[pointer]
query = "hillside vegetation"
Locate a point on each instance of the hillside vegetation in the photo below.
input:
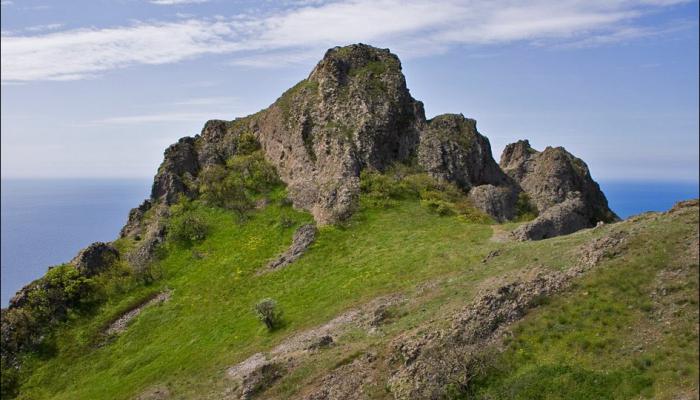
(338, 245)
(626, 330)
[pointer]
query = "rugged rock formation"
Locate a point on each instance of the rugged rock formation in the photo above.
(355, 112)
(134, 224)
(453, 150)
(177, 172)
(561, 188)
(549, 177)
(153, 231)
(95, 258)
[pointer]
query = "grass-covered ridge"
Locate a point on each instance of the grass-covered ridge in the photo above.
(628, 331)
(209, 323)
(412, 235)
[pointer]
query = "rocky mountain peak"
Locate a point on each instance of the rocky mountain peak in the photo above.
(341, 63)
(516, 154)
(354, 112)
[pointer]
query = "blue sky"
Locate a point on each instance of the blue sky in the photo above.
(99, 88)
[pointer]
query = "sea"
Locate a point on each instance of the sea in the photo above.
(46, 222)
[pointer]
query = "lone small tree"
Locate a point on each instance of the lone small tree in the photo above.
(268, 313)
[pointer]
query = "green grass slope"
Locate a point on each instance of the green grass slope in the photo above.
(606, 338)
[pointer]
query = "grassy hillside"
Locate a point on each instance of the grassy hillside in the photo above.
(612, 336)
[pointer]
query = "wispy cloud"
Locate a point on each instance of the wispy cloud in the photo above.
(43, 28)
(207, 101)
(176, 2)
(300, 32)
(6, 3)
(153, 118)
(196, 109)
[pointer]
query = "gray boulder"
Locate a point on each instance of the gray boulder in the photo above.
(453, 150)
(550, 177)
(497, 201)
(566, 217)
(95, 259)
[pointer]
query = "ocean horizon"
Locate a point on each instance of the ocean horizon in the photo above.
(46, 222)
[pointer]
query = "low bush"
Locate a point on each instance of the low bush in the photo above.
(187, 229)
(383, 190)
(269, 313)
(61, 290)
(186, 226)
(247, 144)
(524, 209)
(236, 185)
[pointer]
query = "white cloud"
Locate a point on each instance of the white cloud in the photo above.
(166, 117)
(300, 33)
(42, 28)
(207, 101)
(76, 54)
(6, 3)
(196, 109)
(177, 2)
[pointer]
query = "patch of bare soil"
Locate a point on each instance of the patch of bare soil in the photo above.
(121, 323)
(261, 370)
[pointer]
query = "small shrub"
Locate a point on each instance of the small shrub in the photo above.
(269, 313)
(469, 213)
(247, 144)
(437, 206)
(187, 228)
(379, 189)
(524, 209)
(62, 289)
(9, 381)
(236, 185)
(222, 188)
(285, 222)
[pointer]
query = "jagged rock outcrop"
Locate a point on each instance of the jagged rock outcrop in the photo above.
(453, 150)
(95, 258)
(353, 112)
(550, 176)
(566, 217)
(154, 233)
(560, 186)
(134, 225)
(177, 172)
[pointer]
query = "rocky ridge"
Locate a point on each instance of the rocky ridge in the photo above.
(354, 112)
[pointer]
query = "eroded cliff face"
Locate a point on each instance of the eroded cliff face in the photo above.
(353, 112)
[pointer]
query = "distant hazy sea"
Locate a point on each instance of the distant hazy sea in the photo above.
(46, 222)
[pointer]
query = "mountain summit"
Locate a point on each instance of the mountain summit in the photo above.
(354, 113)
(222, 285)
